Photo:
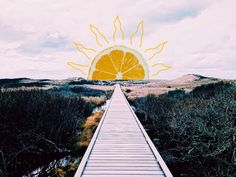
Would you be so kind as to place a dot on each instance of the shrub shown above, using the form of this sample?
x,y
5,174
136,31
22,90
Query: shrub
x,y
211,90
128,90
89,92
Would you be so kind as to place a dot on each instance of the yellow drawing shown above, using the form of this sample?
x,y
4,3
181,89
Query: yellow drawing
x,y
117,22
119,62
159,48
97,33
163,68
140,25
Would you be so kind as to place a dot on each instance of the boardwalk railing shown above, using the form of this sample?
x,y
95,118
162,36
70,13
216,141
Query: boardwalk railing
x,y
120,146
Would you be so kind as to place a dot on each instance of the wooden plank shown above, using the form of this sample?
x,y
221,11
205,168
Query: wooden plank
x,y
122,150
124,175
127,162
121,156
122,153
119,172
106,164
123,168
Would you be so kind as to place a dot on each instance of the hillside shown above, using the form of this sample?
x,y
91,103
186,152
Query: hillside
x,y
157,87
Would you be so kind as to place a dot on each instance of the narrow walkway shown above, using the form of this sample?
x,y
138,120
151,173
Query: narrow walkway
x,y
120,146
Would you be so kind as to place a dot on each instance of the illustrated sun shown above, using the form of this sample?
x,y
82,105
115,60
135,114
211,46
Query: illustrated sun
x,y
117,61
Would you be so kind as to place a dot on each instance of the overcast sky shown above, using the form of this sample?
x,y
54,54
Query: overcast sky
x,y
36,35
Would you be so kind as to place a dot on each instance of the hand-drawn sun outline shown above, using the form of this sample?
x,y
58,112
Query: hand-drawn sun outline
x,y
118,62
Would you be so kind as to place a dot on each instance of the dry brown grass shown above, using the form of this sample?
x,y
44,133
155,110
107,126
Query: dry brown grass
x,y
98,100
89,128
133,92
59,172
158,87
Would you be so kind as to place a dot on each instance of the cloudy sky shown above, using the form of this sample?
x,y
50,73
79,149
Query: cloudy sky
x,y
36,35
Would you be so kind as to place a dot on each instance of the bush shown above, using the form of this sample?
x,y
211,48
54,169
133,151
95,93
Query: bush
x,y
195,133
211,90
22,82
128,90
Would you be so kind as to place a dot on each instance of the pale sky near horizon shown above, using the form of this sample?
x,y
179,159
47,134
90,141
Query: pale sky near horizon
x,y
36,35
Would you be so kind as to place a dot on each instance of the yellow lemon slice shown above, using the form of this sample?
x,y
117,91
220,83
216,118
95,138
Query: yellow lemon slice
x,y
118,63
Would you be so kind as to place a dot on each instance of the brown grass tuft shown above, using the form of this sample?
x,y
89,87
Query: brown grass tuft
x,y
89,128
98,100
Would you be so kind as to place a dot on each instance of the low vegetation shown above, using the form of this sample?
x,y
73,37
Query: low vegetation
x,y
89,128
98,101
194,132
39,126
89,92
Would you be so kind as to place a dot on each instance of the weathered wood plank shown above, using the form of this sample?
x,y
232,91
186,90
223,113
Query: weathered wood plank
x,y
124,168
119,172
124,175
107,164
125,161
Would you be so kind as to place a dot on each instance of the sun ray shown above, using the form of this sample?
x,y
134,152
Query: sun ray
x,y
98,33
80,47
118,23
77,66
140,25
164,68
158,49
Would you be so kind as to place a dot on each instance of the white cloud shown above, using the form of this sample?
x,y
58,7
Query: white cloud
x,y
36,35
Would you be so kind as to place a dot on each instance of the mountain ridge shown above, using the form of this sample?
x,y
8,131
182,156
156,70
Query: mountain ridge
x,y
28,82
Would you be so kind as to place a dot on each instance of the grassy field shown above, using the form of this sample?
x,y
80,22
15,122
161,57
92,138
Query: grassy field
x,y
195,132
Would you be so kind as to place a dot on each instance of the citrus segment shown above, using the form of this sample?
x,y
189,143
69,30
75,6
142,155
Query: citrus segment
x,y
118,63
117,57
129,61
99,75
105,64
136,72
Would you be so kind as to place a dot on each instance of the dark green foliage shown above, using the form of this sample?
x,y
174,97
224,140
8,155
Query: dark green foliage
x,y
32,84
23,82
10,81
81,90
210,90
195,133
175,94
37,126
86,91
89,82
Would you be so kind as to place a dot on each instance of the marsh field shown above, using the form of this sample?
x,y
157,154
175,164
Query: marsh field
x,y
46,125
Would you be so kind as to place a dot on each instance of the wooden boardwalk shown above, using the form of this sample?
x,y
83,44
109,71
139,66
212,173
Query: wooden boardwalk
x,y
120,146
